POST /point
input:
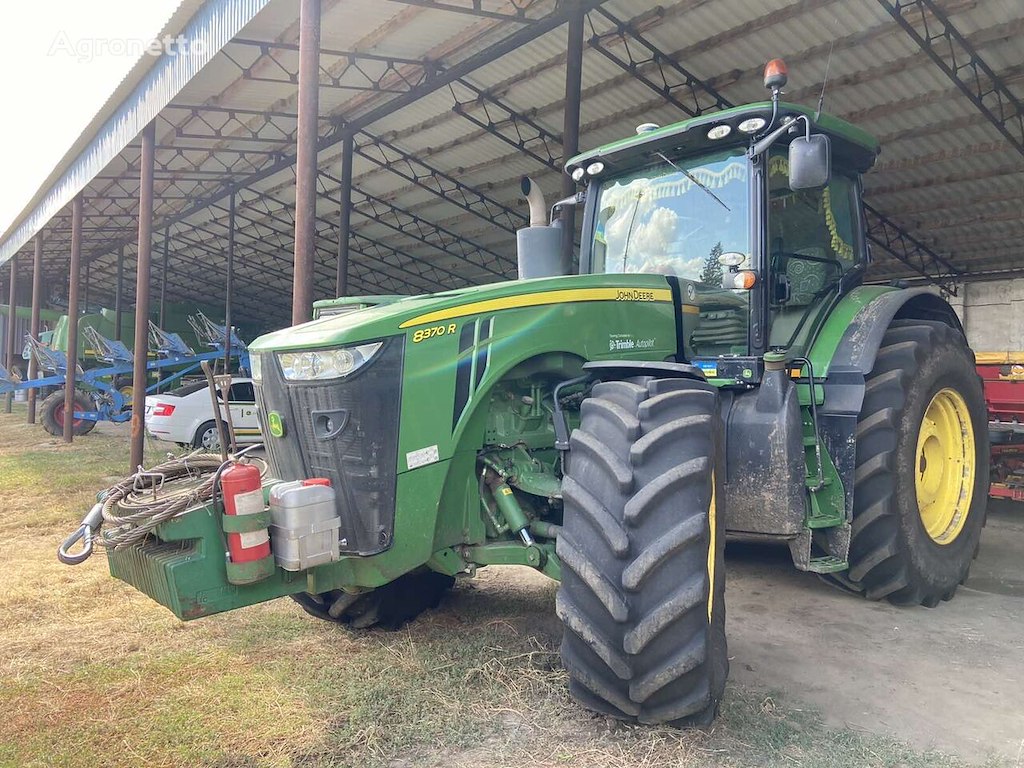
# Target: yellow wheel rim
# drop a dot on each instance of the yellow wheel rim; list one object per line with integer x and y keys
{"x": 126, "y": 393}
{"x": 945, "y": 466}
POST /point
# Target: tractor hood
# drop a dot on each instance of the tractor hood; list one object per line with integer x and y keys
{"x": 418, "y": 312}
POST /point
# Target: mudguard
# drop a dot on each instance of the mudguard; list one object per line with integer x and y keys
{"x": 863, "y": 337}
{"x": 662, "y": 370}
{"x": 853, "y": 359}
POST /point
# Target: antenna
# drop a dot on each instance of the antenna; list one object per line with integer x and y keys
{"x": 824, "y": 82}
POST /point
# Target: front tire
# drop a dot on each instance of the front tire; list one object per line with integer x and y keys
{"x": 642, "y": 596}
{"x": 922, "y": 467}
{"x": 388, "y": 607}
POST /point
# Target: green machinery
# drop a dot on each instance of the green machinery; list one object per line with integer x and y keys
{"x": 716, "y": 368}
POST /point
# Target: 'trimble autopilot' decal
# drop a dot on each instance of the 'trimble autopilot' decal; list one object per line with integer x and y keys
{"x": 628, "y": 342}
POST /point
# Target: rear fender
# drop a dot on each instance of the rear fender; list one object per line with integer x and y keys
{"x": 852, "y": 360}
{"x": 862, "y": 338}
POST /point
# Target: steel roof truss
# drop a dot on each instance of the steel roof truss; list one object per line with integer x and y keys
{"x": 959, "y": 60}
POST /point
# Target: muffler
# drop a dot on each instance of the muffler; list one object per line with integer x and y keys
{"x": 538, "y": 246}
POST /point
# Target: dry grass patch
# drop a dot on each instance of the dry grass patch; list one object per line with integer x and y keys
{"x": 93, "y": 673}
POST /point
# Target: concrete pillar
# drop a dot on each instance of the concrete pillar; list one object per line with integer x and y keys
{"x": 229, "y": 287}
{"x": 119, "y": 294}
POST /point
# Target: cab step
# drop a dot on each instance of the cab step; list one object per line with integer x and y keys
{"x": 827, "y": 564}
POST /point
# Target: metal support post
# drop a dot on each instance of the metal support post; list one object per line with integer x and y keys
{"x": 37, "y": 300}
{"x": 85, "y": 298}
{"x": 12, "y": 321}
{"x": 305, "y": 160}
{"x": 161, "y": 316}
{"x": 229, "y": 287}
{"x": 571, "y": 125}
{"x": 345, "y": 215}
{"x": 142, "y": 279}
{"x": 119, "y": 294}
{"x": 72, "y": 348}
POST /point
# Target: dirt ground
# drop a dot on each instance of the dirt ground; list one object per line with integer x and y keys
{"x": 950, "y": 678}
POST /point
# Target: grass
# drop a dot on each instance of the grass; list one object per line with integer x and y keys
{"x": 93, "y": 673}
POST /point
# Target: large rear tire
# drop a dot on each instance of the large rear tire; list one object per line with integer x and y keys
{"x": 642, "y": 596}
{"x": 53, "y": 414}
{"x": 388, "y": 607}
{"x": 922, "y": 467}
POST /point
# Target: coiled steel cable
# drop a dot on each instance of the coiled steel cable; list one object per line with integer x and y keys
{"x": 132, "y": 508}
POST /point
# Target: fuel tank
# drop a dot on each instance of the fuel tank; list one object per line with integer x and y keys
{"x": 764, "y": 487}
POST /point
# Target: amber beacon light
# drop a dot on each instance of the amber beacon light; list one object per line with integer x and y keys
{"x": 775, "y": 74}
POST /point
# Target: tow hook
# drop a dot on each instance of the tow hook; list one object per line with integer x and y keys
{"x": 90, "y": 525}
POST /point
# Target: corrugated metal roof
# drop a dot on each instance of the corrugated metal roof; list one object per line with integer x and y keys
{"x": 946, "y": 174}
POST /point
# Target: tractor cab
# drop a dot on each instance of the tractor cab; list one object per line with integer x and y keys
{"x": 752, "y": 213}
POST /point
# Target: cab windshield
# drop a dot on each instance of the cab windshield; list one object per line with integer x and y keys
{"x": 677, "y": 218}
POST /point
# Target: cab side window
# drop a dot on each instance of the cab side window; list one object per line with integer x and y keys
{"x": 242, "y": 392}
{"x": 811, "y": 244}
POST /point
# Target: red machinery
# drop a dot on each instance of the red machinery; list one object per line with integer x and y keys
{"x": 1003, "y": 376}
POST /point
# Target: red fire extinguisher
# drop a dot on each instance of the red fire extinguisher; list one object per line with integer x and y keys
{"x": 243, "y": 495}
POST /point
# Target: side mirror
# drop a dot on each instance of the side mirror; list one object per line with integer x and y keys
{"x": 733, "y": 278}
{"x": 732, "y": 260}
{"x": 573, "y": 201}
{"x": 810, "y": 162}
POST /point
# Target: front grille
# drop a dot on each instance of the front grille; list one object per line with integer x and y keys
{"x": 345, "y": 430}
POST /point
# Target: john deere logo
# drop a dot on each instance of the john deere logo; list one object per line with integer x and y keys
{"x": 275, "y": 423}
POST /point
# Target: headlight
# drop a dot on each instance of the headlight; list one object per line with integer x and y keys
{"x": 719, "y": 132}
{"x": 255, "y": 367}
{"x": 319, "y": 364}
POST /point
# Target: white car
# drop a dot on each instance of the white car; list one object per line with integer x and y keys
{"x": 185, "y": 415}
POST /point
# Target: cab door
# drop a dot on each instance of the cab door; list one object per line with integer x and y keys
{"x": 815, "y": 248}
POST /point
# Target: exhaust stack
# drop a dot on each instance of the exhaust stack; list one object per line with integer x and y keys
{"x": 535, "y": 199}
{"x": 538, "y": 246}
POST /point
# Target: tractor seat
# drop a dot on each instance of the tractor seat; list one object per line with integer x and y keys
{"x": 808, "y": 282}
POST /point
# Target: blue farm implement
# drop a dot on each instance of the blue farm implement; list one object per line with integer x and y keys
{"x": 104, "y": 393}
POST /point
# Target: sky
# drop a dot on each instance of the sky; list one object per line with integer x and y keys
{"x": 60, "y": 61}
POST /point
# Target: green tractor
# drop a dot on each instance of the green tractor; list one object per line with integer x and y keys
{"x": 716, "y": 369}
